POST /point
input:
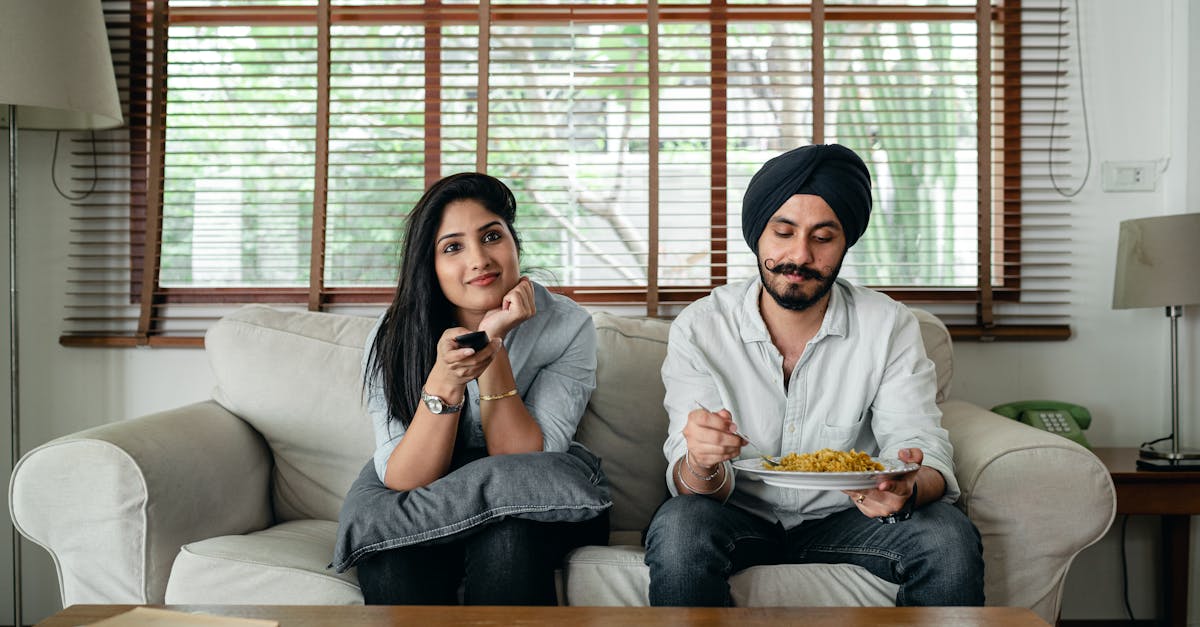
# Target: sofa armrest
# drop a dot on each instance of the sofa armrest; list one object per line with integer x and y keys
{"x": 113, "y": 504}
{"x": 1038, "y": 499}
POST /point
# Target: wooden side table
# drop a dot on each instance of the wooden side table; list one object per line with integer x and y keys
{"x": 1172, "y": 494}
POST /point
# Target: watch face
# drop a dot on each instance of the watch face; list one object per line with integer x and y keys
{"x": 437, "y": 405}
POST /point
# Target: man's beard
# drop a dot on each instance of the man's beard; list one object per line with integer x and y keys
{"x": 792, "y": 297}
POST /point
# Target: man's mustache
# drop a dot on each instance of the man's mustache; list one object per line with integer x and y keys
{"x": 791, "y": 268}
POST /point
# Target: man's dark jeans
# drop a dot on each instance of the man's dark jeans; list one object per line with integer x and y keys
{"x": 695, "y": 543}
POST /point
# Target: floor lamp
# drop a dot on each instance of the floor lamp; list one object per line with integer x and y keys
{"x": 1158, "y": 265}
{"x": 55, "y": 73}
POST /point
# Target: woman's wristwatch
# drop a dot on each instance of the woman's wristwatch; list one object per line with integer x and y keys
{"x": 438, "y": 405}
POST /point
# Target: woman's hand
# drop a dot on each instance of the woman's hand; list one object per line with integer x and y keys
{"x": 710, "y": 437}
{"x": 516, "y": 307}
{"x": 890, "y": 495}
{"x": 455, "y": 365}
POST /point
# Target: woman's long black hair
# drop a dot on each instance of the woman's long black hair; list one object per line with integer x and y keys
{"x": 405, "y": 348}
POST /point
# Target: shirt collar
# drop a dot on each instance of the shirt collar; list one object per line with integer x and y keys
{"x": 754, "y": 329}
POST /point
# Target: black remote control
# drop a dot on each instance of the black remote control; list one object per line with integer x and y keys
{"x": 476, "y": 340}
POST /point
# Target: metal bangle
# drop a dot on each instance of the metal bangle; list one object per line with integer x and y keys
{"x": 687, "y": 459}
{"x": 724, "y": 480}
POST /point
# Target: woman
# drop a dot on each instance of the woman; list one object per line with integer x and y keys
{"x": 437, "y": 405}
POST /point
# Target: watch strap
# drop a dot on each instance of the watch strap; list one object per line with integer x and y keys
{"x": 905, "y": 512}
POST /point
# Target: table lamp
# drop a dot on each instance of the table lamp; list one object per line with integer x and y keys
{"x": 56, "y": 73}
{"x": 1158, "y": 265}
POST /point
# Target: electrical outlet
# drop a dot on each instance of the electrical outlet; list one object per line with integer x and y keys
{"x": 1129, "y": 176}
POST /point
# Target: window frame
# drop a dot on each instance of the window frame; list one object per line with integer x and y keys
{"x": 148, "y": 113}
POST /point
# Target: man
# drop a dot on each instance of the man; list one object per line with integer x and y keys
{"x": 798, "y": 360}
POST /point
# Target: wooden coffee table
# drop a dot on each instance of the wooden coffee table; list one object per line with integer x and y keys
{"x": 372, "y": 616}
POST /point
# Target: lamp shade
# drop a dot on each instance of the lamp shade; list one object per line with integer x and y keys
{"x": 1158, "y": 262}
{"x": 55, "y": 65}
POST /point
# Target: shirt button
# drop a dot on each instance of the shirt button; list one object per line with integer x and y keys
{"x": 792, "y": 429}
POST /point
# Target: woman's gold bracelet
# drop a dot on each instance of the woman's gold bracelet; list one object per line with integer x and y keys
{"x": 496, "y": 397}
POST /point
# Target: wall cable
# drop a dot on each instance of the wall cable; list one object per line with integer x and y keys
{"x": 1125, "y": 569}
{"x": 1087, "y": 136}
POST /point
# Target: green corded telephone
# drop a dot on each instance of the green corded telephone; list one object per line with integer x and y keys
{"x": 1064, "y": 419}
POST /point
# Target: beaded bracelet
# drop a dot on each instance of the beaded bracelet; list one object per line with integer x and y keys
{"x": 687, "y": 459}
{"x": 724, "y": 480}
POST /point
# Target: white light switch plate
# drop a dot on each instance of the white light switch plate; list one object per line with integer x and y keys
{"x": 1129, "y": 176}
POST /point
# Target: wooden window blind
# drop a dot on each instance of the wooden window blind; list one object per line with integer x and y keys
{"x": 273, "y": 150}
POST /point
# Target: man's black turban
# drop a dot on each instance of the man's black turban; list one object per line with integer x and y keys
{"x": 831, "y": 171}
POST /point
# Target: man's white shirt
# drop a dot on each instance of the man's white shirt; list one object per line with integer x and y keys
{"x": 863, "y": 382}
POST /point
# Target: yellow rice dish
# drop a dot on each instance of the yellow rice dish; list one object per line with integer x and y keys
{"x": 826, "y": 460}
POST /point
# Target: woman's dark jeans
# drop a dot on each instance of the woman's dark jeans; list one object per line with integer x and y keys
{"x": 510, "y": 562}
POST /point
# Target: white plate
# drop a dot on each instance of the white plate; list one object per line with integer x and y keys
{"x": 824, "y": 480}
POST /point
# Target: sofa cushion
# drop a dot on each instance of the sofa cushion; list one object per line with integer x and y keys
{"x": 618, "y": 575}
{"x": 938, "y": 348}
{"x": 294, "y": 376}
{"x": 625, "y": 422}
{"x": 281, "y": 565}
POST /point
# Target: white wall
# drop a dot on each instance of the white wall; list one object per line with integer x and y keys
{"x": 64, "y": 390}
{"x": 1136, "y": 58}
{"x": 1192, "y": 104}
{"x": 1136, "y": 67}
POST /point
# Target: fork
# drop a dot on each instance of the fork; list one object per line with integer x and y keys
{"x": 748, "y": 441}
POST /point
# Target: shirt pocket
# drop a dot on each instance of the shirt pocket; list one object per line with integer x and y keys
{"x": 842, "y": 436}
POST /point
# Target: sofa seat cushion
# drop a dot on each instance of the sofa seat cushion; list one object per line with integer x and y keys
{"x": 281, "y": 565}
{"x": 618, "y": 575}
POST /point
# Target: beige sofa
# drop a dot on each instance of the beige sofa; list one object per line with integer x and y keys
{"x": 234, "y": 500}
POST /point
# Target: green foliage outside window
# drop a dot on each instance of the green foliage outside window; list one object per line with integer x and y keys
{"x": 568, "y": 117}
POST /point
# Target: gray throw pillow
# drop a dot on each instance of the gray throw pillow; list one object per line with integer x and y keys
{"x": 545, "y": 487}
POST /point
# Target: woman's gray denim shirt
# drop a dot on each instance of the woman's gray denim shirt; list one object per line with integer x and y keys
{"x": 553, "y": 357}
